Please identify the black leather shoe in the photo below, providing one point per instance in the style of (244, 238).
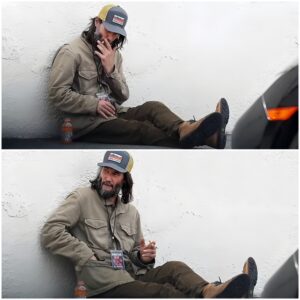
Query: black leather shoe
(223, 109)
(250, 269)
(194, 134)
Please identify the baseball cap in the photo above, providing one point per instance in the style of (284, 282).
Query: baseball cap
(114, 18)
(120, 161)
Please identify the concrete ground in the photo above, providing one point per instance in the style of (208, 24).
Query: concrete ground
(52, 143)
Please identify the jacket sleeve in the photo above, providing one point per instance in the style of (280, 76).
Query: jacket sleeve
(61, 95)
(55, 234)
(134, 255)
(117, 82)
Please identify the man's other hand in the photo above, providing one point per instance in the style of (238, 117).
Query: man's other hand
(147, 251)
(105, 109)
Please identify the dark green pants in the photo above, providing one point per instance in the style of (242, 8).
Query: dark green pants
(151, 123)
(171, 280)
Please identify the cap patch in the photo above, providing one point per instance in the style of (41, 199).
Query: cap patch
(118, 20)
(115, 157)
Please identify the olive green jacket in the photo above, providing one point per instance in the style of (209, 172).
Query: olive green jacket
(73, 86)
(79, 229)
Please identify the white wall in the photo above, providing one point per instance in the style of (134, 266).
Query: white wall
(186, 54)
(211, 211)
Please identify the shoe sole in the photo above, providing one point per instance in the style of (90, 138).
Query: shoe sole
(208, 127)
(224, 111)
(237, 288)
(252, 273)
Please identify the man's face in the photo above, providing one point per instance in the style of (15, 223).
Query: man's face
(111, 182)
(105, 34)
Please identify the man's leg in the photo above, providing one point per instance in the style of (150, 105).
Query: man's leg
(209, 130)
(139, 289)
(152, 123)
(157, 114)
(184, 279)
(121, 131)
(178, 274)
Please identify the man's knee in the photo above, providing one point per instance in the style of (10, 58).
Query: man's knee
(175, 265)
(153, 104)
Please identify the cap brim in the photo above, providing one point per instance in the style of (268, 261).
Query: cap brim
(112, 166)
(114, 28)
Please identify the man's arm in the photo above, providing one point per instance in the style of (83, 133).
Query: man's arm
(56, 236)
(117, 82)
(61, 79)
(135, 255)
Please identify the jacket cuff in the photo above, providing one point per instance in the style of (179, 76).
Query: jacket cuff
(94, 106)
(84, 258)
(135, 257)
(113, 74)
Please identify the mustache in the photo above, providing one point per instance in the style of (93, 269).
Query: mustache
(115, 189)
(108, 183)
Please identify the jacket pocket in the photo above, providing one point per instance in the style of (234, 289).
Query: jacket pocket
(87, 82)
(97, 233)
(94, 274)
(128, 234)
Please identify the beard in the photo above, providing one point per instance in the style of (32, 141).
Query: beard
(111, 193)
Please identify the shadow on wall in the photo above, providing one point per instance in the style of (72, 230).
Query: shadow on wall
(58, 272)
(45, 276)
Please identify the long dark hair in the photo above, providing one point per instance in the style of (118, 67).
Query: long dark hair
(126, 187)
(89, 34)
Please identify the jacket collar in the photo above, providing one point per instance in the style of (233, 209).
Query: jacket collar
(83, 39)
(121, 207)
